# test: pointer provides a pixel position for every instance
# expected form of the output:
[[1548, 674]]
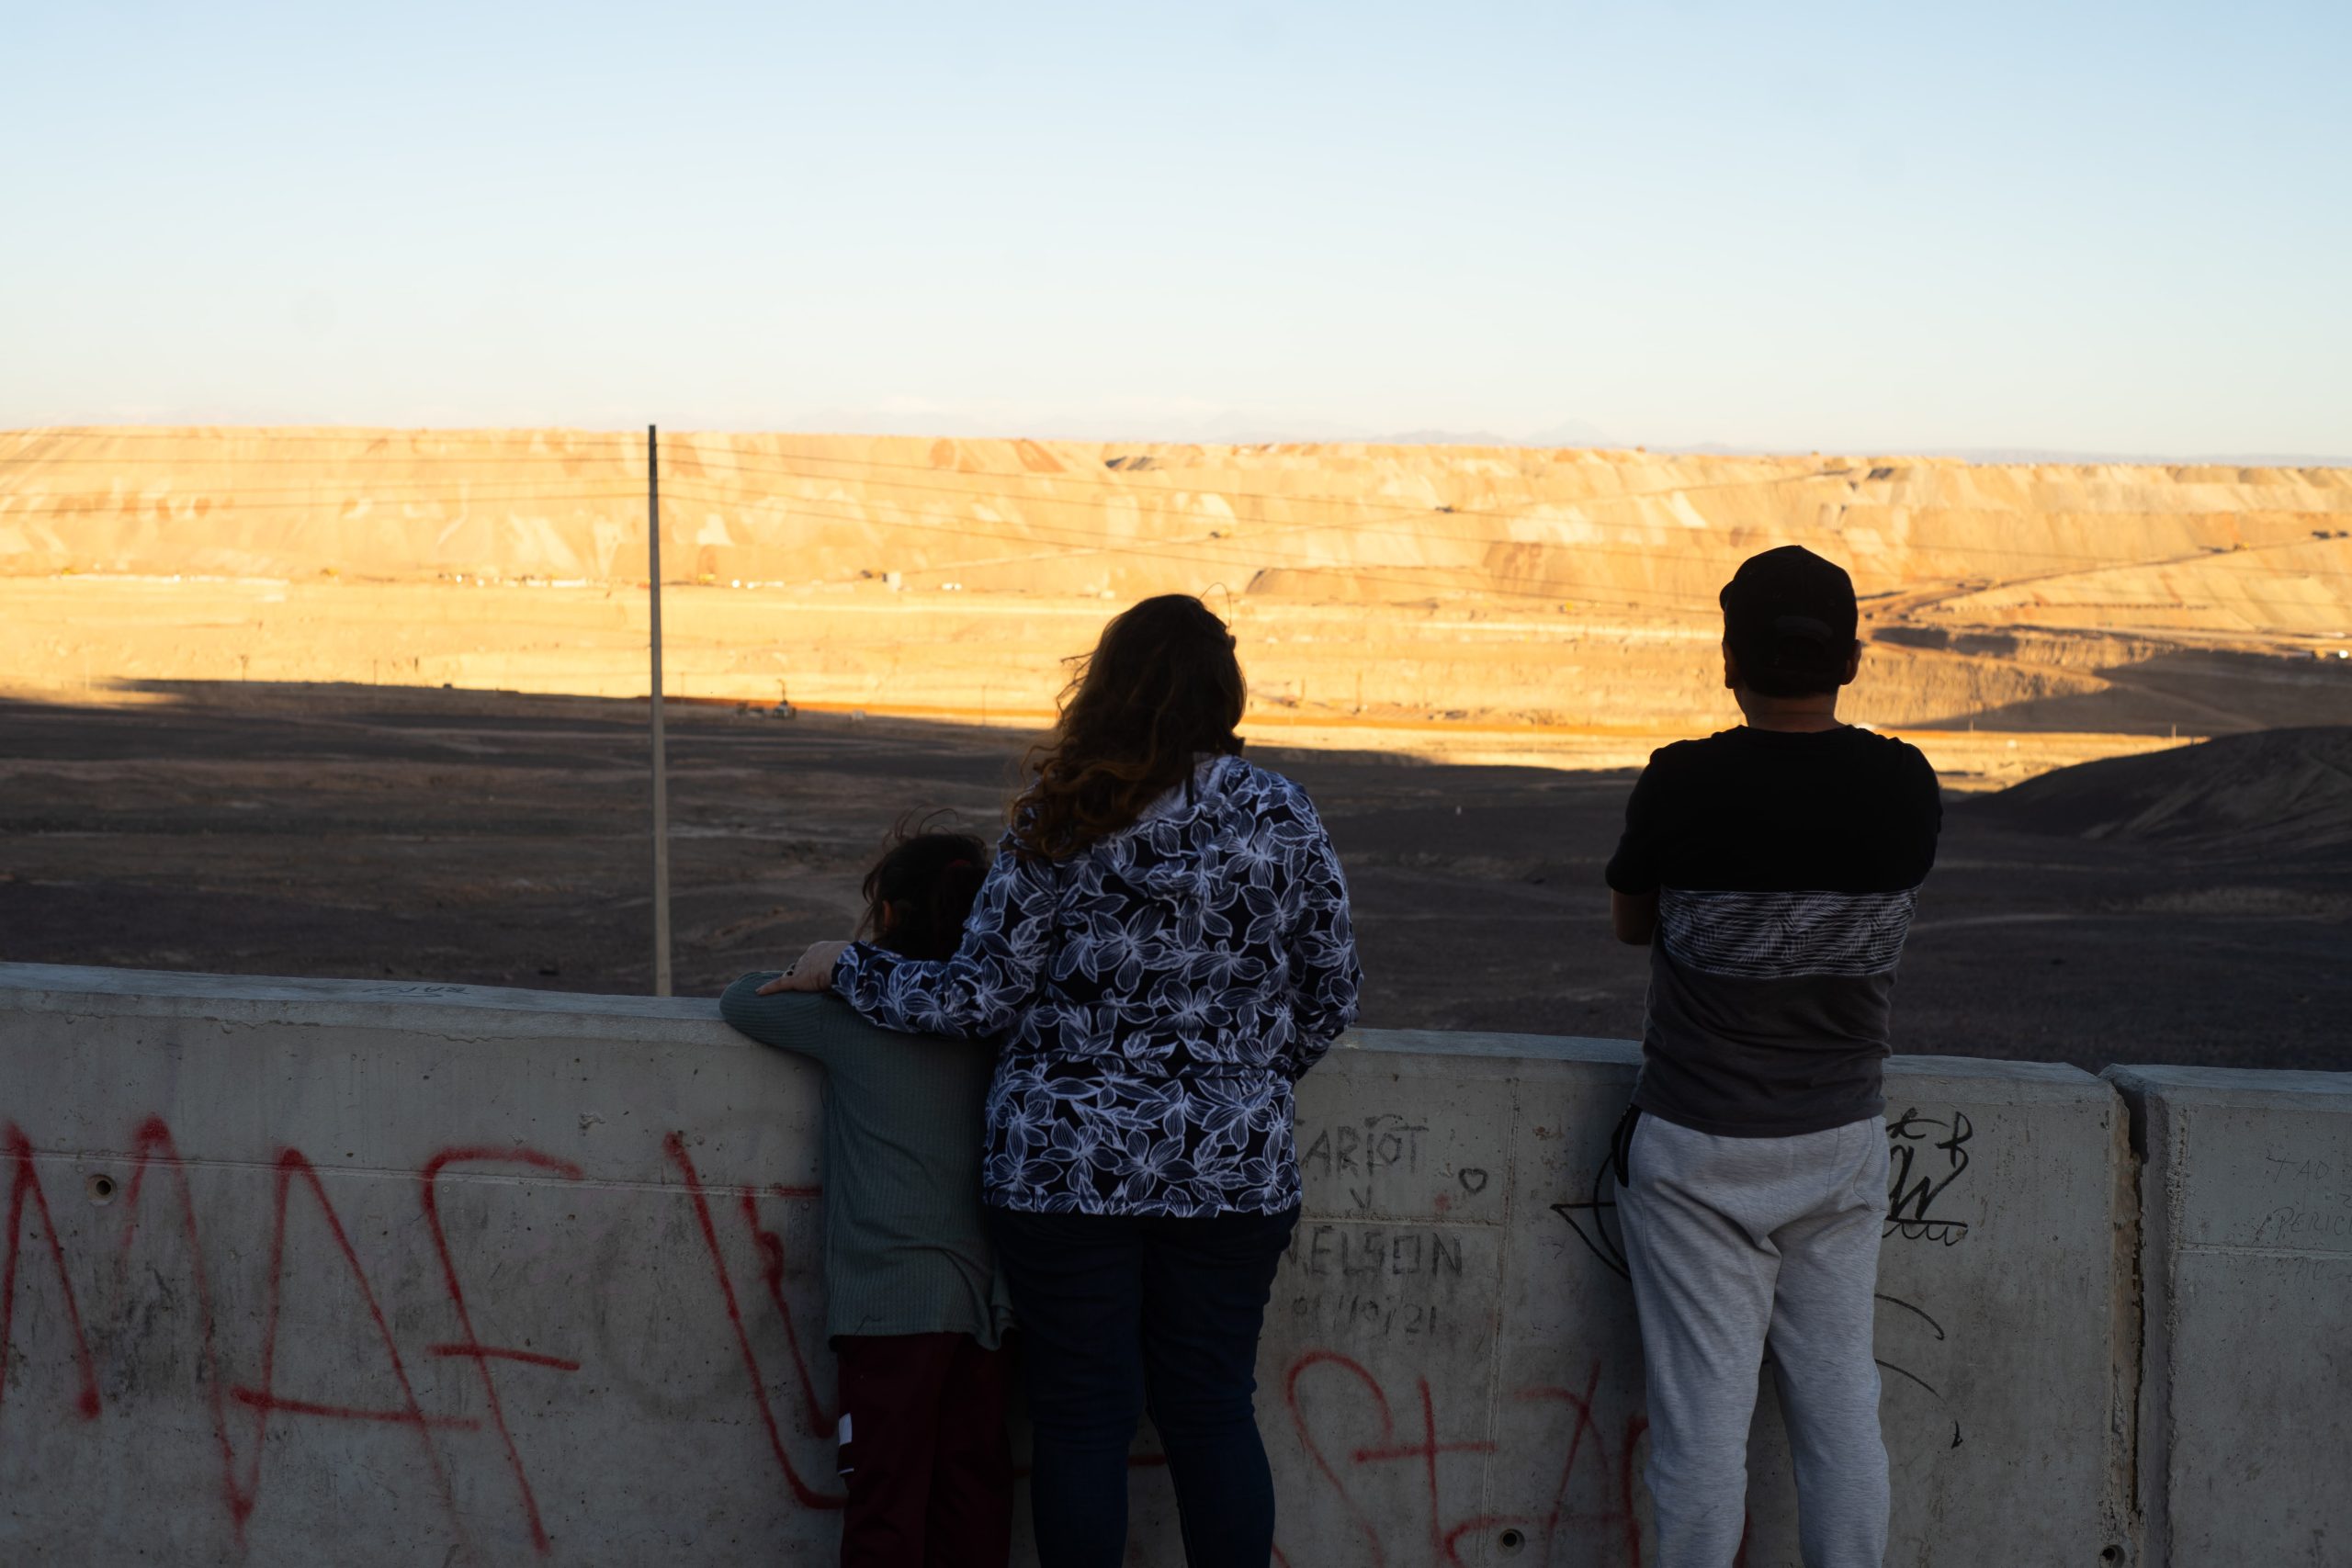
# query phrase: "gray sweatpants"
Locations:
[[1737, 1245]]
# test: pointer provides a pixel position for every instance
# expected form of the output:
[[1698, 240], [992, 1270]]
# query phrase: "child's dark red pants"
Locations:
[[925, 1451]]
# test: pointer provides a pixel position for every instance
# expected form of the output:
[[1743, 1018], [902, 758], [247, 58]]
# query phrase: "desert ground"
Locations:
[[457, 836], [366, 702]]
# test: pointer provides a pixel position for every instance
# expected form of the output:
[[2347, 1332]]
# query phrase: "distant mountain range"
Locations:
[[1247, 427], [2241, 459], [1223, 427], [1241, 427]]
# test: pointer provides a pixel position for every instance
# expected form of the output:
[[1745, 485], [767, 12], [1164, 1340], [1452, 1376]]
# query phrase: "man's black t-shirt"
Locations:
[[1786, 865]]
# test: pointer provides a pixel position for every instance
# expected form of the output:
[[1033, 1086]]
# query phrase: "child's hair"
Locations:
[[920, 893]]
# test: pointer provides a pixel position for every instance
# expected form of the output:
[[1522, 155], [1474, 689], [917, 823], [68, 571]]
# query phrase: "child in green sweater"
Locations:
[[914, 1307]]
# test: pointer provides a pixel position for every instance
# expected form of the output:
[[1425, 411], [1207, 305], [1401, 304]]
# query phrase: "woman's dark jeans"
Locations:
[[1124, 1313]]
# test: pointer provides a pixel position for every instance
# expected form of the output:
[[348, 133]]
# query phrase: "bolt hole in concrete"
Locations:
[[2111, 1554], [101, 1187], [1511, 1540]]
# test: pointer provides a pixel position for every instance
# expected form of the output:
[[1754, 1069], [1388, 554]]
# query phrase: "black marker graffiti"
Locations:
[[1607, 1248], [1587, 1220], [1908, 1137]]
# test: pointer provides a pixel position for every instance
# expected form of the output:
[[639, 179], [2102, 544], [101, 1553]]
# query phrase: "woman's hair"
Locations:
[[1160, 688], [920, 893]]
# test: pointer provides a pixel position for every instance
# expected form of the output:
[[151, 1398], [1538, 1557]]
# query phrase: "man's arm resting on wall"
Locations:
[[1633, 916]]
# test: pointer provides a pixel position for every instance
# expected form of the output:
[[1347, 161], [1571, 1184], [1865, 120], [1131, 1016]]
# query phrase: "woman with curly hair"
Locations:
[[1160, 949]]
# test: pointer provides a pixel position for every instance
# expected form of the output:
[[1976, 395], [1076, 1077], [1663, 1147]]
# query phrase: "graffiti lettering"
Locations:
[[266, 1401], [25, 1183], [1329, 1393], [2289, 1223], [1908, 1137], [153, 1143], [1375, 1316], [1349, 1252], [1355, 1153], [472, 1347], [809, 1496], [156, 1153]]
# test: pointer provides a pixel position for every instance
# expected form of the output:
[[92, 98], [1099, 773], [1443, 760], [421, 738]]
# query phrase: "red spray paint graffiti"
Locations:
[[472, 1347], [1353, 1432], [771, 1249], [809, 1496], [153, 1142], [1613, 1527], [25, 1183], [266, 1399], [154, 1151]]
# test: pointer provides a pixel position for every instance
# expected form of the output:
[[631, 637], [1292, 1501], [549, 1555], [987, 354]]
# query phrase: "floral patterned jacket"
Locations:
[[1155, 997]]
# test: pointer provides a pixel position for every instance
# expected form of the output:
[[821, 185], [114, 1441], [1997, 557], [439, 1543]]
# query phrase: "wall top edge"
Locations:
[[100, 982], [2058, 1074], [1488, 1044], [2230, 1085], [495, 1011]]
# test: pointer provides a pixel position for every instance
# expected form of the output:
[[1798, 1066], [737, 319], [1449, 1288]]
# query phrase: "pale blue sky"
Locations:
[[2087, 227]]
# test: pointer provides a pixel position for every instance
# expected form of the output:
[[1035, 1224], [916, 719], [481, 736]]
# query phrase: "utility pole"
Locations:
[[660, 749]]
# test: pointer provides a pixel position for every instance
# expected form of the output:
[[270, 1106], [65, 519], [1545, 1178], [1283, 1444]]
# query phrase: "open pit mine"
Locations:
[[1473, 603]]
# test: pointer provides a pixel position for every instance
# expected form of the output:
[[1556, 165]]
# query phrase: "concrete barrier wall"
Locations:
[[2245, 1420], [303, 1271], [1452, 1371]]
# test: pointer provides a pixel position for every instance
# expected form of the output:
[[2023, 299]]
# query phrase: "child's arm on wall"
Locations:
[[975, 995], [790, 1021]]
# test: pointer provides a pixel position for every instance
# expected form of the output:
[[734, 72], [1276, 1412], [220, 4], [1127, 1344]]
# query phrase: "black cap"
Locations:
[[1789, 617]]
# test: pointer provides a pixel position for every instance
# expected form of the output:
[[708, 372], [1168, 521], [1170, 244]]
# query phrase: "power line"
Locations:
[[1358, 504], [228, 507], [372, 435], [1417, 510], [1040, 534], [1178, 550], [1262, 528], [1221, 552], [224, 495], [1725, 555], [410, 460], [72, 504], [585, 437]]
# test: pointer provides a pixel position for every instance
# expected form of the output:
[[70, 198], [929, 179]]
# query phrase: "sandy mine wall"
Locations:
[[311, 1270], [2178, 548], [977, 655]]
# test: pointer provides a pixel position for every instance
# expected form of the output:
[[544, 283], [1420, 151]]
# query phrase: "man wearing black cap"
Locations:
[[1772, 869]]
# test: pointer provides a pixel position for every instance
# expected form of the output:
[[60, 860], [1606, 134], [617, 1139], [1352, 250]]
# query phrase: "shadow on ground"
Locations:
[[467, 836], [2175, 690]]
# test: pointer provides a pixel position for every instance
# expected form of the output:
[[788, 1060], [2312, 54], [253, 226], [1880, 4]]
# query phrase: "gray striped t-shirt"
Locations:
[[1786, 866]]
